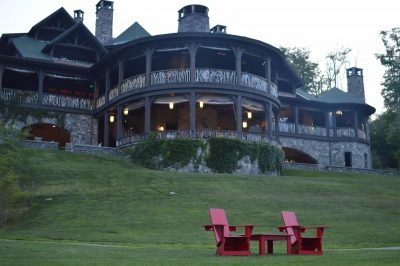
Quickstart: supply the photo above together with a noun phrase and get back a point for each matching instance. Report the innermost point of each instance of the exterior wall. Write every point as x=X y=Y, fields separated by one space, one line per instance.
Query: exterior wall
x=82 y=128
x=331 y=153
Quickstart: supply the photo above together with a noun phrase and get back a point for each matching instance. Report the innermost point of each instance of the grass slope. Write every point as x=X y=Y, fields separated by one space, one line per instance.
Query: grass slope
x=152 y=217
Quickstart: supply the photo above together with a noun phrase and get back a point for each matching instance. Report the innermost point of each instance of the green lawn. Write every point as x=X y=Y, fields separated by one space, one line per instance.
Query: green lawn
x=104 y=210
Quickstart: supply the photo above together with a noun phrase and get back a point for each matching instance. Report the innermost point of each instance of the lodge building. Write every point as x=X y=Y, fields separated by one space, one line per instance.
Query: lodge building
x=197 y=83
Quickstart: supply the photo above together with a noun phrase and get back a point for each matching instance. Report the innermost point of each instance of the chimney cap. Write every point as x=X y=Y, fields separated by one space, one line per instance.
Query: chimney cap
x=193 y=9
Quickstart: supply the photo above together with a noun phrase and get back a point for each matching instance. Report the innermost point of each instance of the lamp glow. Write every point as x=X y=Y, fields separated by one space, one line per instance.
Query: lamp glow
x=249 y=115
x=201 y=104
x=339 y=112
x=126 y=111
x=244 y=124
x=171 y=106
x=161 y=128
x=112 y=118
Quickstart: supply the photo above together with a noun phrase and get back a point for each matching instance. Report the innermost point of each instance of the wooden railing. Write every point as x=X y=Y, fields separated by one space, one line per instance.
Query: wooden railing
x=29 y=97
x=202 y=75
x=193 y=134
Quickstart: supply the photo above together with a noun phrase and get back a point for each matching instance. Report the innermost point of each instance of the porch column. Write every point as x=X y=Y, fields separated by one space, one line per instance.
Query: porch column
x=121 y=70
x=1 y=75
x=40 y=86
x=119 y=122
x=268 y=108
x=277 y=125
x=192 y=107
x=268 y=73
x=149 y=54
x=239 y=114
x=192 y=52
x=366 y=129
x=238 y=55
x=147 y=114
x=108 y=84
x=296 y=119
x=327 y=123
x=356 y=124
x=106 y=134
x=334 y=123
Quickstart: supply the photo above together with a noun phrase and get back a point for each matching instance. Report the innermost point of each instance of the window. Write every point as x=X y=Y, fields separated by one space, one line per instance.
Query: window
x=347 y=159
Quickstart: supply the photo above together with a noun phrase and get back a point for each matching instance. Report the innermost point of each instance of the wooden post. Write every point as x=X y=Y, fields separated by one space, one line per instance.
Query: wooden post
x=106 y=133
x=149 y=54
x=40 y=86
x=192 y=107
x=239 y=114
x=147 y=114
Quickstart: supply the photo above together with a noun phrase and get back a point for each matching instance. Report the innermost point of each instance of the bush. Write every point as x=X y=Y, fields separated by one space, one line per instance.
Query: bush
x=222 y=155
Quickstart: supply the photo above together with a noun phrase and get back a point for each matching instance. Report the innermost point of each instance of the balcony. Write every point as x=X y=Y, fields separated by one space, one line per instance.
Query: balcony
x=202 y=75
x=62 y=101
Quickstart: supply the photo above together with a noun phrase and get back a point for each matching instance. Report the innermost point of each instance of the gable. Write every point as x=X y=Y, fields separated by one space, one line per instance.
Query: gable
x=75 y=44
x=52 y=26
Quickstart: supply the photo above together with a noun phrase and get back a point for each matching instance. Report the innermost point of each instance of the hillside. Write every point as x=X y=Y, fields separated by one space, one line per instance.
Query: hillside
x=105 y=200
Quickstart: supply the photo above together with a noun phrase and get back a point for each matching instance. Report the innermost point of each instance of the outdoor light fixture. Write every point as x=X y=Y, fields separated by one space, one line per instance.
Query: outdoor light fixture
x=126 y=111
x=249 y=115
x=161 y=128
x=112 y=118
x=171 y=105
x=339 y=112
x=201 y=104
x=244 y=124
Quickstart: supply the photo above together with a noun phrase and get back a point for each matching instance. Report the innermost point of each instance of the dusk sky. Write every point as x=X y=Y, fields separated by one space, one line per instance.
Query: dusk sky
x=321 y=26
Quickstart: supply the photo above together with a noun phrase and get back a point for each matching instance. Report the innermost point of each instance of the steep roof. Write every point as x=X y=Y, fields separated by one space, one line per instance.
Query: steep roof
x=30 y=48
x=135 y=31
x=305 y=95
x=58 y=19
x=336 y=95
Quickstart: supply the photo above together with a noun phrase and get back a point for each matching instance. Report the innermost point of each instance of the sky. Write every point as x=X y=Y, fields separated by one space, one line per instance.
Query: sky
x=320 y=26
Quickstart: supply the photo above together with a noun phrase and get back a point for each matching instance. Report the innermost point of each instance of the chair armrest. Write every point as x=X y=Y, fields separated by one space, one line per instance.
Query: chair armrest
x=318 y=228
x=210 y=227
x=248 y=228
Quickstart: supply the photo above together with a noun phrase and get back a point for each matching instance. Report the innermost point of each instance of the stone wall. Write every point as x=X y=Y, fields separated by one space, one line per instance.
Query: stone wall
x=82 y=128
x=331 y=153
x=39 y=144
x=90 y=149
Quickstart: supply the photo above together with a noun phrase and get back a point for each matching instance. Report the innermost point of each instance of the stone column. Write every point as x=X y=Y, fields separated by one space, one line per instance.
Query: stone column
x=149 y=54
x=239 y=114
x=40 y=86
x=119 y=122
x=106 y=133
x=192 y=106
x=356 y=124
x=121 y=70
x=192 y=52
x=108 y=85
x=147 y=114
x=296 y=119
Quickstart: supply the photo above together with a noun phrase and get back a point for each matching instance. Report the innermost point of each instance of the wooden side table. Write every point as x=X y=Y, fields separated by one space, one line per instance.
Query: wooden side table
x=270 y=238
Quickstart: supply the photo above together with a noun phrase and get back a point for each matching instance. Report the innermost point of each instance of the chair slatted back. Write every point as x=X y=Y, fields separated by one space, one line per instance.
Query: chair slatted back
x=218 y=216
x=289 y=219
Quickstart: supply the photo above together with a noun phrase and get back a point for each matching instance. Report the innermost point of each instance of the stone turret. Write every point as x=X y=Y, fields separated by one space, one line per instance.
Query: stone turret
x=104 y=21
x=355 y=82
x=193 y=18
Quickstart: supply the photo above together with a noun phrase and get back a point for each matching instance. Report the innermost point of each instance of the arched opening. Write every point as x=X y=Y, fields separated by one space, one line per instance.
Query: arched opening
x=297 y=156
x=49 y=132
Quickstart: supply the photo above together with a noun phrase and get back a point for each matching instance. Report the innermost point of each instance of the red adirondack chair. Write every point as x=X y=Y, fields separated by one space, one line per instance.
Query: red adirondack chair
x=302 y=244
x=228 y=244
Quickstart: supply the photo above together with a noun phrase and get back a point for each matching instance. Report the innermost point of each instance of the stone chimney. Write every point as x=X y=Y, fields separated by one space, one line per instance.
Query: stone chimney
x=78 y=15
x=104 y=21
x=355 y=82
x=193 y=18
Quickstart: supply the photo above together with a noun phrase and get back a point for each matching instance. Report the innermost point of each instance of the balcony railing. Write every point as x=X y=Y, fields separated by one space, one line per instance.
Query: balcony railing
x=29 y=97
x=67 y=102
x=100 y=101
x=204 y=75
x=170 y=76
x=198 y=134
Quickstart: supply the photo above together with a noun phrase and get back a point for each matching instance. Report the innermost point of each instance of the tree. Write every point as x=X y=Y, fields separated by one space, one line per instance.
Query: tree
x=336 y=60
x=299 y=60
x=315 y=80
x=391 y=61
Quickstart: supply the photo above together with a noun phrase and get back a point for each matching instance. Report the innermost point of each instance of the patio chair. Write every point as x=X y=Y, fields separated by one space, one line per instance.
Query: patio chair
x=302 y=244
